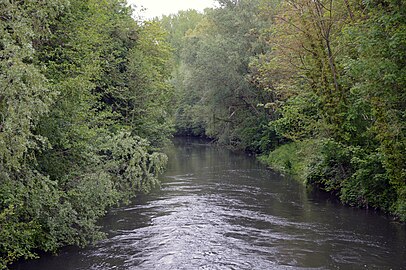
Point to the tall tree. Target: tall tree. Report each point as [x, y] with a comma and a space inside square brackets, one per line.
[219, 94]
[331, 65]
[74, 106]
[375, 69]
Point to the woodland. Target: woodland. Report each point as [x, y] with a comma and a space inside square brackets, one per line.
[90, 94]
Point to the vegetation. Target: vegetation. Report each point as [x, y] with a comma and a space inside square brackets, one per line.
[83, 107]
[294, 159]
[325, 79]
[88, 95]
[214, 96]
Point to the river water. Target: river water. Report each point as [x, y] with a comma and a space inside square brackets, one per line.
[218, 209]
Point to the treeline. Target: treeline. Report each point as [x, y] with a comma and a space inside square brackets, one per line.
[84, 108]
[315, 86]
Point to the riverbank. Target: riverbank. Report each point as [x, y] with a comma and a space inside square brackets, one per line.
[356, 177]
[222, 209]
[293, 159]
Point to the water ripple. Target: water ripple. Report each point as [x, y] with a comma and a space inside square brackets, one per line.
[220, 210]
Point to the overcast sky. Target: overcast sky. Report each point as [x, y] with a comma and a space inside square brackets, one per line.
[166, 7]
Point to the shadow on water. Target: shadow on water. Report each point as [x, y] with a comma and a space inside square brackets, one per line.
[218, 209]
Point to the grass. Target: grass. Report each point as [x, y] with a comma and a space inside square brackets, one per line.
[293, 158]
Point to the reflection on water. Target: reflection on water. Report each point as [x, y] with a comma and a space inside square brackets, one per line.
[221, 210]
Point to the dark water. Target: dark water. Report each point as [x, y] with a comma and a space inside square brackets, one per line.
[222, 210]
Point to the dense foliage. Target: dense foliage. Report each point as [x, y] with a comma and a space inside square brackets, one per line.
[348, 93]
[328, 77]
[215, 97]
[88, 95]
[84, 105]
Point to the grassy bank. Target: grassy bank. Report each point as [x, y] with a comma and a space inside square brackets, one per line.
[357, 177]
[294, 158]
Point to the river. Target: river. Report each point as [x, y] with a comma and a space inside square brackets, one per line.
[218, 209]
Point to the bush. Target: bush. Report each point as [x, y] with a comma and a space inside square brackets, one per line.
[357, 176]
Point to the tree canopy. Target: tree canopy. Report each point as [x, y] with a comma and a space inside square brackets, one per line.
[84, 107]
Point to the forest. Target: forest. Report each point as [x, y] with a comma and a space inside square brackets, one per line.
[90, 94]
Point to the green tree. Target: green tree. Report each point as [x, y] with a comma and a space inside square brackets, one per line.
[218, 95]
[336, 71]
[376, 72]
[187, 116]
[83, 82]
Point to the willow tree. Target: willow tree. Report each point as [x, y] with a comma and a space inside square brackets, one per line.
[219, 96]
[68, 150]
[25, 96]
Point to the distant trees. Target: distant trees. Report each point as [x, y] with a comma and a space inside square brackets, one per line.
[217, 98]
[83, 108]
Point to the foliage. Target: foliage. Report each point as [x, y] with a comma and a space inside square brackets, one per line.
[129, 163]
[84, 106]
[337, 71]
[378, 77]
[88, 95]
[330, 74]
[177, 26]
[294, 158]
[358, 177]
[215, 96]
[188, 114]
[299, 117]
[150, 94]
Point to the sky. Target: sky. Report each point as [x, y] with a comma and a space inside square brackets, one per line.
[165, 7]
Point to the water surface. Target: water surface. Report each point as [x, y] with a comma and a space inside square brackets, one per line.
[222, 210]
